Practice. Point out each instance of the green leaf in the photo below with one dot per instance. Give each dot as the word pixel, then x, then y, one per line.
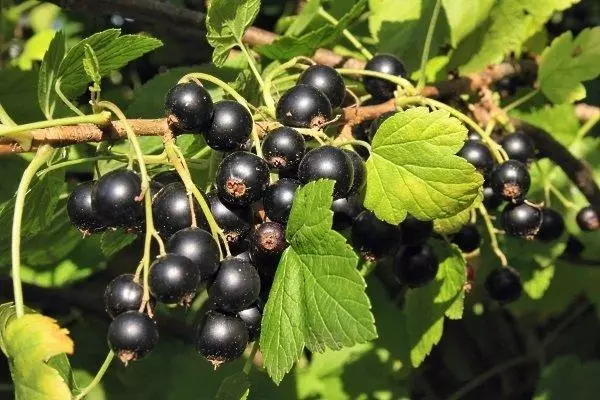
pixel 91 66
pixel 48 73
pixel 234 387
pixel 569 378
pixel 18 90
pixel 301 21
pixel 464 16
pixel 35 48
pixel 413 168
pixel 226 23
pixel 446 226
pixel 318 297
pixel 559 120
pixel 287 47
pixel 113 241
pixel 567 63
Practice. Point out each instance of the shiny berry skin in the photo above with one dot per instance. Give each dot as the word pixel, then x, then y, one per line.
pixel 189 107
pixel 468 239
pixel 171 210
pixel 165 178
pixel 414 231
pixel 236 222
pixel 174 279
pixel 122 294
pixel 344 212
pixel 376 124
pixel 283 148
pixel 236 286
pixel 328 162
pixel 372 237
pixel 504 285
pixel 268 239
pixel 389 64
pixel 511 180
pixel 230 128
pixel 303 106
pixel 588 220
pixel 521 220
pixel 327 80
pixel 278 199
pixel 241 179
pixel 360 172
pixel 132 335
pixel 221 338
pixel 81 213
pixel 478 155
pixel 553 226
pixel 115 199
pixel 415 266
pixel 473 136
pixel 491 200
pixel 199 247
pixel 251 317
pixel 519 146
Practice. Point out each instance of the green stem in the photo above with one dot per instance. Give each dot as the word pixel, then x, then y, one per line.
pixel 493 238
pixel 102 118
pixel 98 377
pixel 201 153
pixel 566 202
pixel 354 142
pixel 213 164
pixel 250 360
pixel 64 99
pixel 521 100
pixel 252 64
pixel 209 78
pixel 585 128
pixel 41 157
pixel 403 83
pixel 351 38
pixel 266 89
pixel 427 45
pixel 256 141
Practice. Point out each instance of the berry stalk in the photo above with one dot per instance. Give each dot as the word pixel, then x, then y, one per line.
pixel 347 34
pixel 98 377
pixel 493 239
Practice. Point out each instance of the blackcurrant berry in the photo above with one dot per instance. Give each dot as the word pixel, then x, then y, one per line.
pixel 221 338
pixel 521 220
pixel 414 231
pixel 328 162
pixel 81 213
pixel 122 294
pixel 467 239
pixel 189 107
pixel 588 219
pixel 360 172
pixel 236 222
pixel 242 178
pixel 377 123
pixel 278 199
pixel 415 266
pixel 327 80
pixel 506 87
pixel 244 256
pixel 174 279
pixel 574 247
pixel 236 286
pixel 283 148
pixel 491 200
pixel 477 153
pixel 115 199
pixel 230 128
pixel 519 146
pixel 388 64
pixel 511 180
pixel 473 136
pixel 251 317
pixel 165 178
pixel 344 212
pixel 303 106
pixel 199 247
pixel 504 285
pixel 268 239
pixel 132 335
pixel 171 210
pixel 372 237
pixel 361 131
pixel 553 225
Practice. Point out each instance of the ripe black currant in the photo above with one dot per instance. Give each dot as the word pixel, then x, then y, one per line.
pixel 230 128
pixel 242 178
pixel 303 106
pixel 574 247
pixel 415 266
pixel 588 219
pixel 328 162
pixel 372 237
pixel 278 199
pixel 236 222
pixel 171 210
pixel 115 199
pixel 504 285
pixel 251 317
pixel 244 256
pixel 165 178
pixel 174 279
pixel 360 172
pixel 122 294
pixel 199 247
pixel 327 80
pixel 374 127
pixel 518 146
pixel 81 213
pixel 221 338
pixel 189 107
pixel 414 231
pixel 388 64
pixel 472 135
pixel 511 180
pixel 553 225
pixel 467 239
pixel 491 200
pixel 268 239
pixel 283 148
pixel 236 286
pixel 477 153
pixel 521 220
pixel 132 335
pixel 344 212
